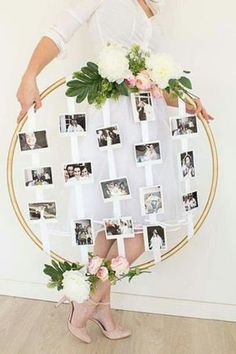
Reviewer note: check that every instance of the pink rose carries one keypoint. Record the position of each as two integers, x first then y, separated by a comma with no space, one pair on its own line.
143,81
156,92
131,81
102,273
94,264
120,265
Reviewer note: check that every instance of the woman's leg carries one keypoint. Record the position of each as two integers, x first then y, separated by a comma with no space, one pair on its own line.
84,310
134,247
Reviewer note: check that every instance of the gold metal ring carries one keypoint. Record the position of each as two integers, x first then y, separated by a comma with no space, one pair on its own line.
145,265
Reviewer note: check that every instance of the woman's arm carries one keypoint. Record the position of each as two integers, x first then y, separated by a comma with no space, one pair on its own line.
173,102
28,93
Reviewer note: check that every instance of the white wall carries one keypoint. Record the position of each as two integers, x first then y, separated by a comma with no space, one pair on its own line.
200,279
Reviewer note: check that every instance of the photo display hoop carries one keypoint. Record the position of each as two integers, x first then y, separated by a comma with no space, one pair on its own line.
145,265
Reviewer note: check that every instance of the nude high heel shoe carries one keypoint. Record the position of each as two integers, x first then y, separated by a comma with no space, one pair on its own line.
118,333
79,332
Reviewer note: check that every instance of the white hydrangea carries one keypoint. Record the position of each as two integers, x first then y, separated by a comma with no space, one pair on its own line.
113,63
75,286
162,68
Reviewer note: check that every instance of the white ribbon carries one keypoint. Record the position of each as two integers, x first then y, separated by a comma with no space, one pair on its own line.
184,147
112,175
31,127
77,189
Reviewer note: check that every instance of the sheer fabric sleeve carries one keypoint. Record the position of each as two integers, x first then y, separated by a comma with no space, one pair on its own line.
69,21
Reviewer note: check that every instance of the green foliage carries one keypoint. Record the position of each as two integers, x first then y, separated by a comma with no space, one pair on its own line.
137,59
88,83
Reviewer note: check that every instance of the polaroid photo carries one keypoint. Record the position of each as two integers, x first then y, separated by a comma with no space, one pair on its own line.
78,173
142,106
42,210
73,124
115,189
148,153
186,165
119,227
151,200
183,126
33,140
190,201
41,176
155,237
83,233
108,137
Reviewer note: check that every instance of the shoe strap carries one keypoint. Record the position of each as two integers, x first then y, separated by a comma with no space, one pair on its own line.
98,303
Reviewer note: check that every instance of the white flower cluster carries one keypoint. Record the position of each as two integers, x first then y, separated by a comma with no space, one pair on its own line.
75,286
162,68
113,63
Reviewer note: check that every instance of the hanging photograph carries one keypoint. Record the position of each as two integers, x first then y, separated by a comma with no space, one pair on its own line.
115,189
186,165
78,173
42,210
190,201
82,231
122,227
148,153
155,237
108,137
142,106
73,124
183,126
41,176
33,140
151,200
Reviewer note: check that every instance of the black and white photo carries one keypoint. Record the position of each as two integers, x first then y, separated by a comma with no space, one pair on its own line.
108,137
182,126
42,210
115,189
155,237
83,232
186,165
142,106
78,173
41,176
73,124
121,227
190,201
148,153
33,140
151,200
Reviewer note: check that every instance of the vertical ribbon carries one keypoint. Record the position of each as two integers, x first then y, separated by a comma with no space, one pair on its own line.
77,189
31,126
112,175
184,146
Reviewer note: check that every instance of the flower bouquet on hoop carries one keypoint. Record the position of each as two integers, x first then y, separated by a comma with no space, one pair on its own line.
120,71
78,281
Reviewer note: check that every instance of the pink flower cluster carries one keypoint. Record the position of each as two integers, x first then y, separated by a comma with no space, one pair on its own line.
119,265
143,82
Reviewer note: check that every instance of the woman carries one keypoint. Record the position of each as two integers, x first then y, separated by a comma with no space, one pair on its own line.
138,26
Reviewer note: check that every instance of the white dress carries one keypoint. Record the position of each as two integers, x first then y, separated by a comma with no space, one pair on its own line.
123,21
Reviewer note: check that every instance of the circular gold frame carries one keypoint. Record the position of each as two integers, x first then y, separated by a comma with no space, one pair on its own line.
145,265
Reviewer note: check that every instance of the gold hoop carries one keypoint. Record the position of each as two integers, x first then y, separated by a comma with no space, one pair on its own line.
145,265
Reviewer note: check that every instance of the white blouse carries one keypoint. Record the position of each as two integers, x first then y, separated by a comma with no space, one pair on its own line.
123,21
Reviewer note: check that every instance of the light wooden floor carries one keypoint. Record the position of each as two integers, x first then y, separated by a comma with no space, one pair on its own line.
37,327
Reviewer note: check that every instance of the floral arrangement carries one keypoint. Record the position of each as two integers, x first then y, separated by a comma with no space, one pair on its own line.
120,71
78,283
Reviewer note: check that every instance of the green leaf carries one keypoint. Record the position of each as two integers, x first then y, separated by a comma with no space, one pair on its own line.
72,83
185,82
93,66
123,89
71,92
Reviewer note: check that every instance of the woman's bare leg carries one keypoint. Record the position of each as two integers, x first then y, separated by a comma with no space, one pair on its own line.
84,310
134,247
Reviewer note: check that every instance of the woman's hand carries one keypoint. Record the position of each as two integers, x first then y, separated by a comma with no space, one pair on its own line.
199,110
27,95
